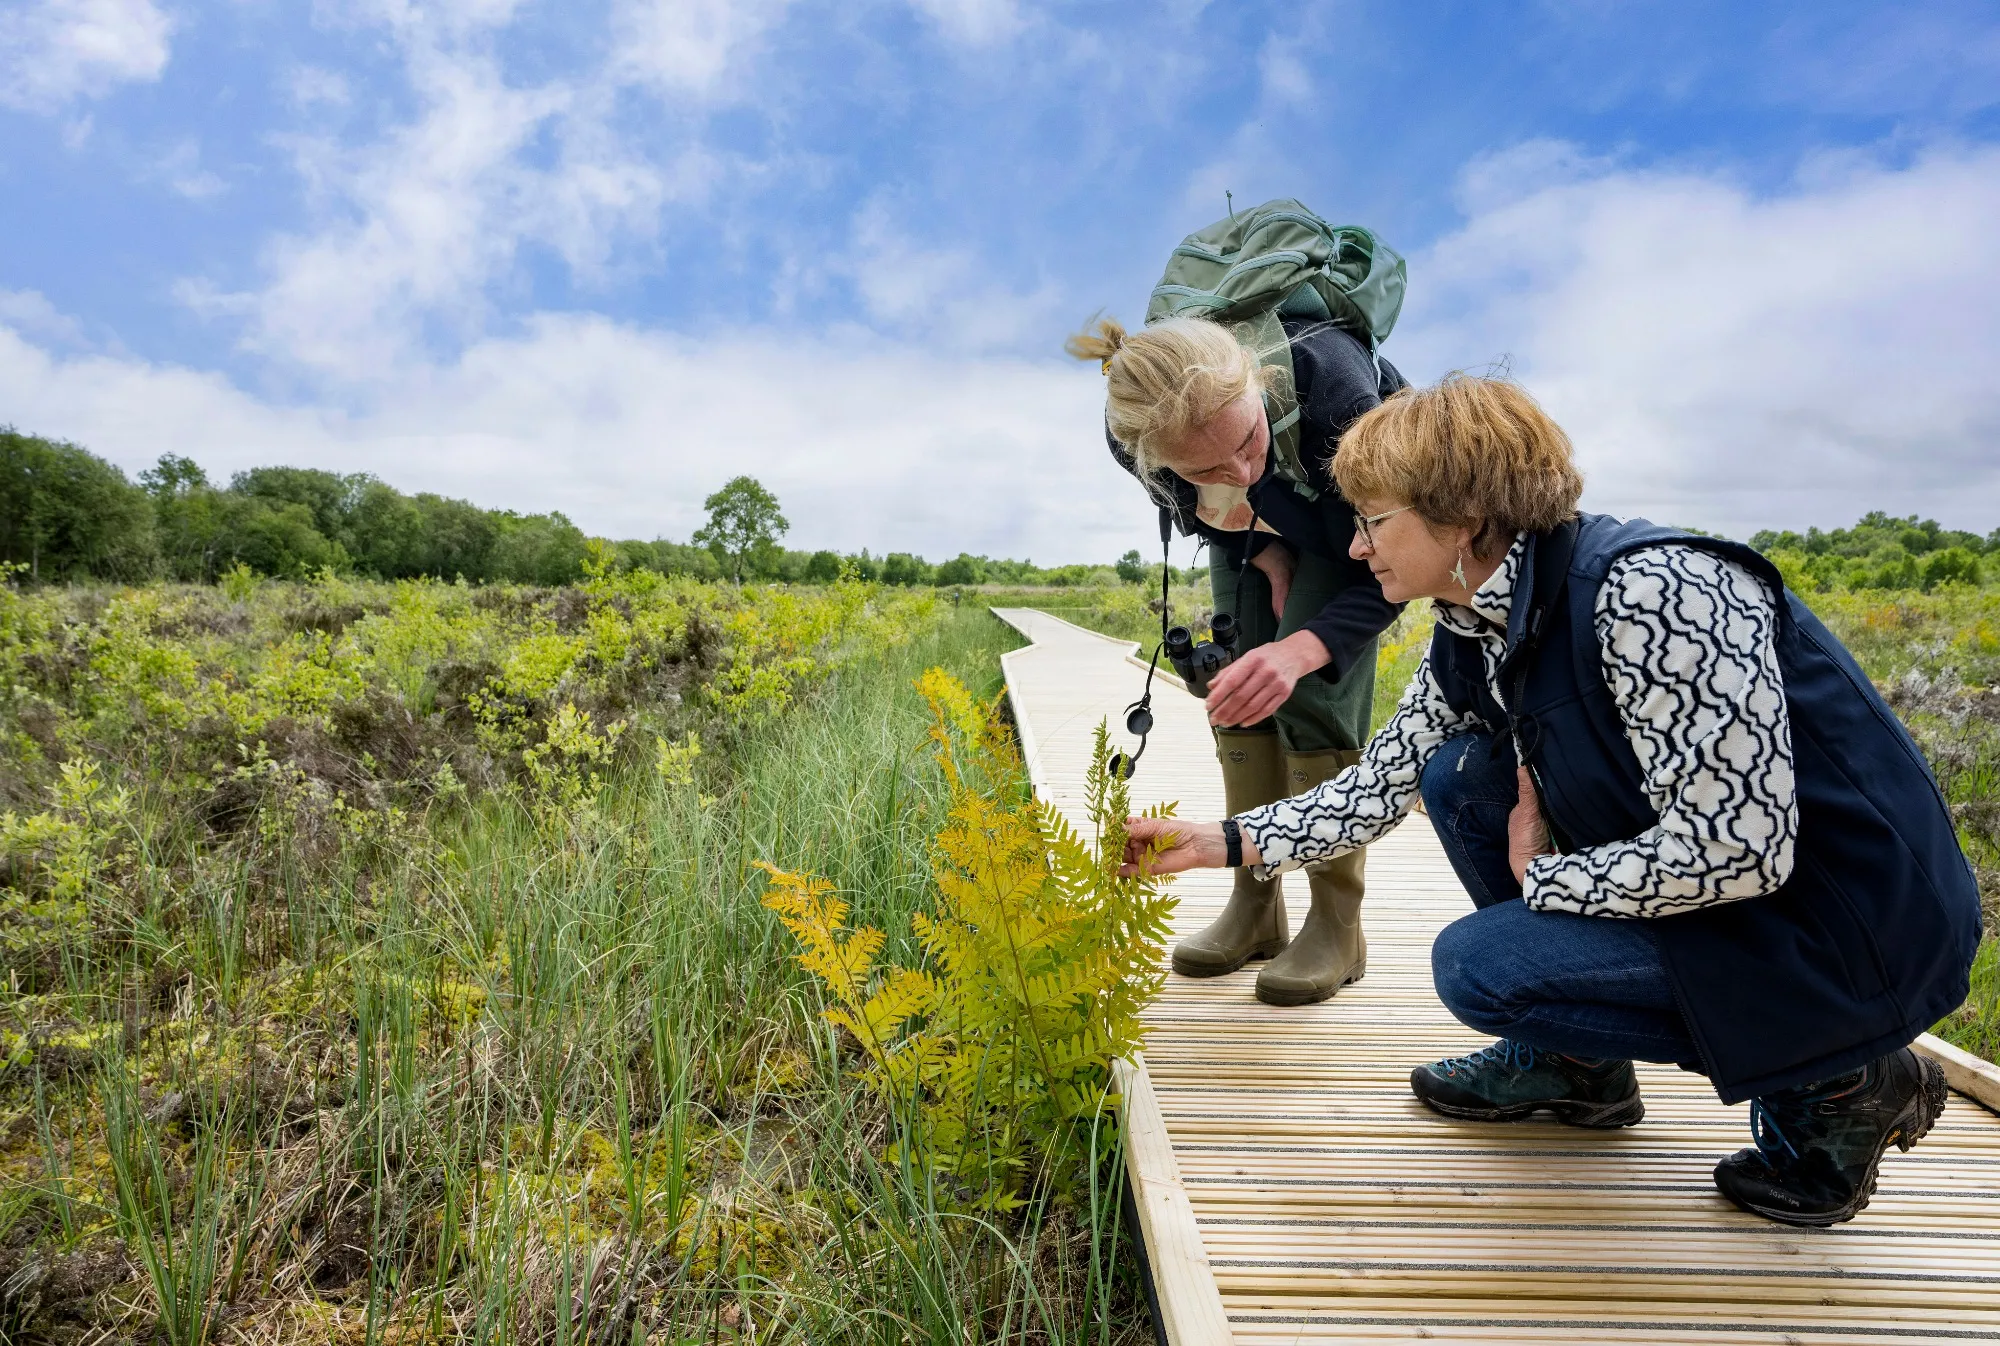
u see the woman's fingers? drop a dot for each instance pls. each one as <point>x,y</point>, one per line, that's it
<point>1228,687</point>
<point>1248,707</point>
<point>1247,690</point>
<point>1141,835</point>
<point>1184,845</point>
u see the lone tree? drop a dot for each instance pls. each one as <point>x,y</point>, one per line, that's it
<point>743,523</point>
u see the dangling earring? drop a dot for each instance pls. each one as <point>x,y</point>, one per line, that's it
<point>1458,572</point>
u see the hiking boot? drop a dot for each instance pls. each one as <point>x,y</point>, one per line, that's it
<point>1329,951</point>
<point>1252,924</point>
<point>1511,1080</point>
<point>1819,1146</point>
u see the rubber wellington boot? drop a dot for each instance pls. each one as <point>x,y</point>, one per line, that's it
<point>1329,950</point>
<point>1253,923</point>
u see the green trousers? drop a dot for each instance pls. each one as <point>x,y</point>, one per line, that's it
<point>1320,713</point>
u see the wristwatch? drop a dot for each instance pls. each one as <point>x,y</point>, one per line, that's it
<point>1232,843</point>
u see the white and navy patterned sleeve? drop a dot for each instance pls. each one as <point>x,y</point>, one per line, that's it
<point>1688,643</point>
<point>1365,800</point>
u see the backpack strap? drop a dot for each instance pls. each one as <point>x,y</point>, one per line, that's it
<point>1281,404</point>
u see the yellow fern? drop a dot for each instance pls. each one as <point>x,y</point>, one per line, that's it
<point>1041,958</point>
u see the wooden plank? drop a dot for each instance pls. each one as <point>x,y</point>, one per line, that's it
<point>1183,1281</point>
<point>1320,1202</point>
<point>1963,1071</point>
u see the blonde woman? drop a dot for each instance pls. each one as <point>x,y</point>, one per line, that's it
<point>1186,411</point>
<point>1692,830</point>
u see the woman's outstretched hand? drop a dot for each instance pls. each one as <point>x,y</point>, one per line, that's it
<point>1186,845</point>
<point>1261,679</point>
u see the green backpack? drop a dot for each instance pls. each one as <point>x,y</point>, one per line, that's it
<point>1281,260</point>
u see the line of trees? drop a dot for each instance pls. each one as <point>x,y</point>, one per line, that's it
<point>1882,552</point>
<point>68,515</point>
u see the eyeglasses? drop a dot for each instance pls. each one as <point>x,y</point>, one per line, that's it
<point>1364,524</point>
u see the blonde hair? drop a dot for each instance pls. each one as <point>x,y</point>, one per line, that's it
<point>1166,380</point>
<point>1465,451</point>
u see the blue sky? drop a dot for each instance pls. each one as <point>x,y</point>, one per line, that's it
<point>601,256</point>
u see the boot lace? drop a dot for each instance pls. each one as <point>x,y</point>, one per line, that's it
<point>1506,1053</point>
<point>1769,1134</point>
<point>1771,1117</point>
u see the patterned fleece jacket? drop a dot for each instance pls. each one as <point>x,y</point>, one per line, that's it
<point>1687,641</point>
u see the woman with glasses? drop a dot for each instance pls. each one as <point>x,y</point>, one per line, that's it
<point>1691,829</point>
<point>1187,410</point>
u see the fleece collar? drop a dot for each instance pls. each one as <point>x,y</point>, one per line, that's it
<point>1492,601</point>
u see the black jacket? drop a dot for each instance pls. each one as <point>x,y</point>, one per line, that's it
<point>1336,381</point>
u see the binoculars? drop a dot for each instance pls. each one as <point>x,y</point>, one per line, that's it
<point>1199,661</point>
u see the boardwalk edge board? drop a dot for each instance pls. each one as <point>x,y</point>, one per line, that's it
<point>1976,1079</point>
<point>1128,646</point>
<point>1160,674</point>
<point>1191,1312</point>
<point>1190,1304</point>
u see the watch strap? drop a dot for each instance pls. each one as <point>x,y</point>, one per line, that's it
<point>1232,842</point>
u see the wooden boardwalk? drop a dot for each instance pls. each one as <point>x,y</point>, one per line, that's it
<point>1292,1189</point>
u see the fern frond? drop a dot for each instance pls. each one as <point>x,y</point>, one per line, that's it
<point>903,995</point>
<point>1039,960</point>
<point>1069,984</point>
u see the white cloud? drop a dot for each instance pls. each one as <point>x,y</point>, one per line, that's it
<point>1501,179</point>
<point>1944,54</point>
<point>1285,79</point>
<point>866,443</point>
<point>416,227</point>
<point>972,22</point>
<point>1259,159</point>
<point>181,169</point>
<point>687,46</point>
<point>432,18</point>
<point>311,86</point>
<point>414,233</point>
<point>55,51</point>
<point>29,312</point>
<point>1736,360</point>
<point>940,293</point>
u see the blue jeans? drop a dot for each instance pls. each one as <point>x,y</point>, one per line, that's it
<point>1588,986</point>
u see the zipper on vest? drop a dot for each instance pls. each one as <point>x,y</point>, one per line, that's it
<point>1557,841</point>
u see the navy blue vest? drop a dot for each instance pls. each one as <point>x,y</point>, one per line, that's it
<point>1871,939</point>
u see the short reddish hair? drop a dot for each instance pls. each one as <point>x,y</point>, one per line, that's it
<point>1465,451</point>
